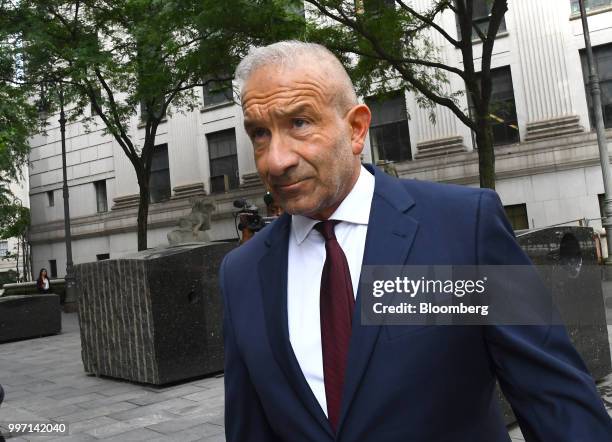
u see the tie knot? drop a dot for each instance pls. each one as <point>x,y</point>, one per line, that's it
<point>326,228</point>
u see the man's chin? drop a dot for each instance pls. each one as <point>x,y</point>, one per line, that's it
<point>305,205</point>
<point>298,209</point>
<point>310,212</point>
<point>292,210</point>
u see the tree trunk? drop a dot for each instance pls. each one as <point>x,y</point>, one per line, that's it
<point>143,214</point>
<point>486,152</point>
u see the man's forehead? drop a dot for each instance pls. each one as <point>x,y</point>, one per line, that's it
<point>279,83</point>
<point>280,109</point>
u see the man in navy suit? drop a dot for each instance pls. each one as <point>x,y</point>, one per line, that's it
<point>299,365</point>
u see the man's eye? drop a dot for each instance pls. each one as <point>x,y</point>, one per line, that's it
<point>258,133</point>
<point>300,123</point>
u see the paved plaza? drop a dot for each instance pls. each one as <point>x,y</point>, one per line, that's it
<point>44,381</point>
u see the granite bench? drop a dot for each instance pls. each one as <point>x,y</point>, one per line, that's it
<point>29,316</point>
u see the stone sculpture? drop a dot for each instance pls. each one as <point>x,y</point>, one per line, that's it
<point>192,228</point>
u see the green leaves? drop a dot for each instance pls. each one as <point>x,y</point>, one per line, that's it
<point>121,56</point>
<point>383,42</point>
<point>390,45</point>
<point>14,220</point>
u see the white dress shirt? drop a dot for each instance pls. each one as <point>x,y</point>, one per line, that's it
<point>306,259</point>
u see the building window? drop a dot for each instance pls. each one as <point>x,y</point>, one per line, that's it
<point>389,135</point>
<point>159,181</point>
<point>223,161</point>
<point>602,56</point>
<point>602,205</point>
<point>103,256</point>
<point>589,5</point>
<point>4,251</point>
<point>517,215</point>
<point>481,15</point>
<point>218,92</point>
<point>51,198</point>
<point>502,109</point>
<point>101,202</point>
<point>52,268</point>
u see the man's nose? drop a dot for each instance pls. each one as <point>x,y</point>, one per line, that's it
<point>281,155</point>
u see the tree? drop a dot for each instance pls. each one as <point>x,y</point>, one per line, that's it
<point>15,223</point>
<point>18,121</point>
<point>18,117</point>
<point>393,44</point>
<point>124,55</point>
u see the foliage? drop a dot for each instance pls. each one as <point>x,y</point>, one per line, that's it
<point>15,223</point>
<point>388,45</point>
<point>18,117</point>
<point>8,277</point>
<point>14,220</point>
<point>18,121</point>
<point>136,62</point>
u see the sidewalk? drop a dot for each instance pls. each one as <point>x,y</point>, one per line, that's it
<point>44,381</point>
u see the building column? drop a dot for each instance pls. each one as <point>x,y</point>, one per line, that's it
<point>542,31</point>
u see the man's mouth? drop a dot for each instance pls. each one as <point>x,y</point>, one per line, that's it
<point>290,187</point>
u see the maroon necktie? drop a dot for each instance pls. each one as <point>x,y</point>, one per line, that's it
<point>337,303</point>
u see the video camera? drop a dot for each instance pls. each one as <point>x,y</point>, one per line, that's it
<point>250,221</point>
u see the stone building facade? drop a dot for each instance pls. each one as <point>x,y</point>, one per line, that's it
<point>547,158</point>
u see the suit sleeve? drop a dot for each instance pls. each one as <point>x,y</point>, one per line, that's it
<point>245,420</point>
<point>540,372</point>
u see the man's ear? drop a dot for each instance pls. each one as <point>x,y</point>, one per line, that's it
<point>359,118</point>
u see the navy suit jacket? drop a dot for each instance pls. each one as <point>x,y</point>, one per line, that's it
<point>403,383</point>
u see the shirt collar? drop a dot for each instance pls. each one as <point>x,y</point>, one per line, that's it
<point>355,208</point>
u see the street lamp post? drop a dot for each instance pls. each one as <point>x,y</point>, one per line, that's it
<point>70,302</point>
<point>604,157</point>
<point>23,248</point>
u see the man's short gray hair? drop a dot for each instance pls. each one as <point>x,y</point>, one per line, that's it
<point>291,53</point>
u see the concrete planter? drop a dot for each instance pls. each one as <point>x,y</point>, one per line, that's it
<point>153,317</point>
<point>29,316</point>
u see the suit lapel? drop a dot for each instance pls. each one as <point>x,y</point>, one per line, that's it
<point>273,280</point>
<point>389,239</point>
<point>390,235</point>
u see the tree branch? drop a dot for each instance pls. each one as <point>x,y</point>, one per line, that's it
<point>188,86</point>
<point>91,93</point>
<point>430,20</point>
<point>113,109</point>
<point>58,16</point>
<point>442,101</point>
<point>480,34</point>
<point>406,74</point>
<point>497,14</point>
<point>187,43</point>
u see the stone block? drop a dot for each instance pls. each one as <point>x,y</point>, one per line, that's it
<point>29,316</point>
<point>576,291</point>
<point>58,286</point>
<point>155,316</point>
